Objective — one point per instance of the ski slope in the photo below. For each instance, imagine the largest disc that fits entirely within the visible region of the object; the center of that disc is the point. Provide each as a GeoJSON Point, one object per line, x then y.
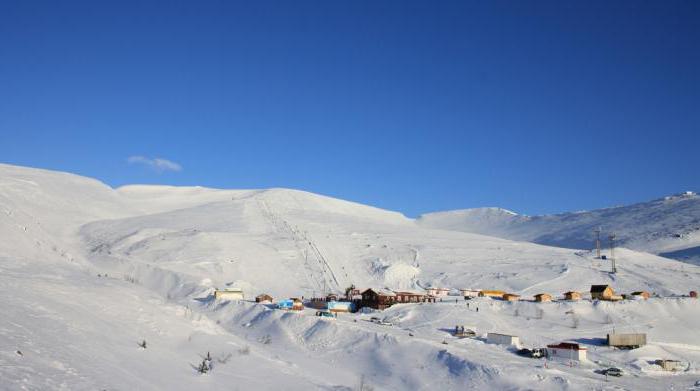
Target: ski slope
{"type": "Point", "coordinates": [89, 271]}
{"type": "Point", "coordinates": [669, 226]}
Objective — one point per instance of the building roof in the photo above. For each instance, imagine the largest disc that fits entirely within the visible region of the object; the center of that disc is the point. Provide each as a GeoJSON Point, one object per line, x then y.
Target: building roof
{"type": "Point", "coordinates": [572, 292]}
{"type": "Point", "coordinates": [411, 293]}
{"type": "Point", "coordinates": [380, 292]}
{"type": "Point", "coordinates": [511, 294]}
{"type": "Point", "coordinates": [640, 293]}
{"type": "Point", "coordinates": [599, 288]}
{"type": "Point", "coordinates": [567, 345]}
{"type": "Point", "coordinates": [543, 294]}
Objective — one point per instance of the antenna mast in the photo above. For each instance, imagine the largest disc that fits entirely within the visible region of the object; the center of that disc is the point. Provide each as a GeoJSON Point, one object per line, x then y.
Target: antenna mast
{"type": "Point", "coordinates": [597, 243]}
{"type": "Point", "coordinates": [612, 252]}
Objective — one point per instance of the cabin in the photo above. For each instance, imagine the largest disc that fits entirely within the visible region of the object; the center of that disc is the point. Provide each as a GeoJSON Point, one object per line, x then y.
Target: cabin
{"type": "Point", "coordinates": [670, 365]}
{"type": "Point", "coordinates": [229, 294]}
{"type": "Point", "coordinates": [292, 304]}
{"type": "Point", "coordinates": [318, 303]}
{"type": "Point", "coordinates": [297, 304]}
{"type": "Point", "coordinates": [469, 292]}
{"type": "Point", "coordinates": [263, 298]}
{"type": "Point", "coordinates": [641, 295]}
{"type": "Point", "coordinates": [438, 292]}
{"type": "Point", "coordinates": [378, 299]}
{"type": "Point", "coordinates": [491, 293]}
{"type": "Point", "coordinates": [511, 297]}
{"type": "Point", "coordinates": [341, 306]}
{"type": "Point", "coordinates": [693, 294]}
{"type": "Point", "coordinates": [543, 297]}
{"type": "Point", "coordinates": [413, 297]}
{"type": "Point", "coordinates": [604, 292]}
{"type": "Point", "coordinates": [572, 295]}
{"type": "Point", "coordinates": [568, 350]}
{"type": "Point", "coordinates": [627, 341]}
{"type": "Point", "coordinates": [502, 339]}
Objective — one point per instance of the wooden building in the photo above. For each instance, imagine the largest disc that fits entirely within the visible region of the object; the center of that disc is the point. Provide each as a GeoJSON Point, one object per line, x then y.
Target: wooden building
{"type": "Point", "coordinates": [413, 297]}
{"type": "Point", "coordinates": [568, 350]}
{"type": "Point", "coordinates": [572, 295]}
{"type": "Point", "coordinates": [378, 299]}
{"type": "Point", "coordinates": [511, 297]}
{"type": "Point", "coordinates": [641, 294]}
{"type": "Point", "coordinates": [604, 292]}
{"type": "Point", "coordinates": [542, 297]}
{"type": "Point", "coordinates": [263, 298]}
{"type": "Point", "coordinates": [491, 293]}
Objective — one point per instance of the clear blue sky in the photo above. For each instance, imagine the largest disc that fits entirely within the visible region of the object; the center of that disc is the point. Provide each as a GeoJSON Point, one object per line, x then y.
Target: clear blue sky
{"type": "Point", "coordinates": [535, 106]}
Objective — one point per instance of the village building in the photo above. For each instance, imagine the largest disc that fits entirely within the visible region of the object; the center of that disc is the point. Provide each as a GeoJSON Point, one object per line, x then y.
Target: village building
{"type": "Point", "coordinates": [641, 294]}
{"type": "Point", "coordinates": [627, 341]}
{"type": "Point", "coordinates": [469, 292]}
{"type": "Point", "coordinates": [568, 350]}
{"type": "Point", "coordinates": [263, 298]}
{"type": "Point", "coordinates": [229, 294]}
{"type": "Point", "coordinates": [341, 306]}
{"type": "Point", "coordinates": [378, 299]}
{"type": "Point", "coordinates": [511, 297]}
{"type": "Point", "coordinates": [670, 365]}
{"type": "Point", "coordinates": [412, 297]}
{"type": "Point", "coordinates": [438, 292]}
{"type": "Point", "coordinates": [542, 297]}
{"type": "Point", "coordinates": [502, 339]}
{"type": "Point", "coordinates": [604, 292]}
{"type": "Point", "coordinates": [292, 304]}
{"type": "Point", "coordinates": [491, 293]}
{"type": "Point", "coordinates": [572, 295]}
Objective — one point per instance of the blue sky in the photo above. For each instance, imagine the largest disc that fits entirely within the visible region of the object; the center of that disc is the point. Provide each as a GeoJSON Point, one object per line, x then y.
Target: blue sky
{"type": "Point", "coordinates": [535, 106]}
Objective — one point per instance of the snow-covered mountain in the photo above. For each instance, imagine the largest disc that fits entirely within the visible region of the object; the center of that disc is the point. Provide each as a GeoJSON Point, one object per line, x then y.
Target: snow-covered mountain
{"type": "Point", "coordinates": [89, 271]}
{"type": "Point", "coordinates": [669, 226]}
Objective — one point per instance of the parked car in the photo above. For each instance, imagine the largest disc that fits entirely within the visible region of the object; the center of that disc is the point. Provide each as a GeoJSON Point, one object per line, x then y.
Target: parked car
{"type": "Point", "coordinates": [617, 372]}
{"type": "Point", "coordinates": [326, 314]}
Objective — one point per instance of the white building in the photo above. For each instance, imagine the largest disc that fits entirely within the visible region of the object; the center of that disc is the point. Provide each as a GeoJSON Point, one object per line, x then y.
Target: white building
{"type": "Point", "coordinates": [438, 292]}
{"type": "Point", "coordinates": [502, 339]}
{"type": "Point", "coordinates": [567, 350]}
{"type": "Point", "coordinates": [229, 294]}
{"type": "Point", "coordinates": [469, 292]}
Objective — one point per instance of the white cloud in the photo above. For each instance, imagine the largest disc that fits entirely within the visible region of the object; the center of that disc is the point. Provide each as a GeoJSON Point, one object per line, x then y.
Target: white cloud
{"type": "Point", "coordinates": [156, 164]}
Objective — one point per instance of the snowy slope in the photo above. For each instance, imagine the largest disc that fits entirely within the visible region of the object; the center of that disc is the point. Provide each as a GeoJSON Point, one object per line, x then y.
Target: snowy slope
{"type": "Point", "coordinates": [669, 226]}
{"type": "Point", "coordinates": [92, 270]}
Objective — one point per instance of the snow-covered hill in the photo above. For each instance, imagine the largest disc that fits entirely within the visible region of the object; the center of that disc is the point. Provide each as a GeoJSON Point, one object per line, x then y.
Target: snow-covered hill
{"type": "Point", "coordinates": [89, 271]}
{"type": "Point", "coordinates": [669, 226]}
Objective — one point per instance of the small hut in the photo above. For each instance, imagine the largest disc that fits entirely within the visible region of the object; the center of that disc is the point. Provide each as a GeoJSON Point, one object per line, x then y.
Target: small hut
{"type": "Point", "coordinates": [542, 297]}
{"type": "Point", "coordinates": [511, 297]}
{"type": "Point", "coordinates": [670, 365]}
{"type": "Point", "coordinates": [641, 294]}
{"type": "Point", "coordinates": [604, 292]}
{"type": "Point", "coordinates": [263, 298]}
{"type": "Point", "coordinates": [572, 295]}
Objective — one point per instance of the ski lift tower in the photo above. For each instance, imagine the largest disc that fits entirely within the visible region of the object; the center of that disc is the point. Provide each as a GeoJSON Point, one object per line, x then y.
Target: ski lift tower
{"type": "Point", "coordinates": [597, 242]}
{"type": "Point", "coordinates": [612, 252]}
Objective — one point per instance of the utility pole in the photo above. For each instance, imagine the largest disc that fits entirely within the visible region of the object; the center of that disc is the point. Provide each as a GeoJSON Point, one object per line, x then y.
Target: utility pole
{"type": "Point", "coordinates": [597, 243]}
{"type": "Point", "coordinates": [612, 252]}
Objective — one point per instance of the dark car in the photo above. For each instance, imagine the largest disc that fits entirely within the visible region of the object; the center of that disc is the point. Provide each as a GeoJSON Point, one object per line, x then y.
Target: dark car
{"type": "Point", "coordinates": [617, 372]}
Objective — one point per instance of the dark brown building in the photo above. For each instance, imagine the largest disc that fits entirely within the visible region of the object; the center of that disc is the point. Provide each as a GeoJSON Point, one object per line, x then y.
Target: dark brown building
{"type": "Point", "coordinates": [378, 299]}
